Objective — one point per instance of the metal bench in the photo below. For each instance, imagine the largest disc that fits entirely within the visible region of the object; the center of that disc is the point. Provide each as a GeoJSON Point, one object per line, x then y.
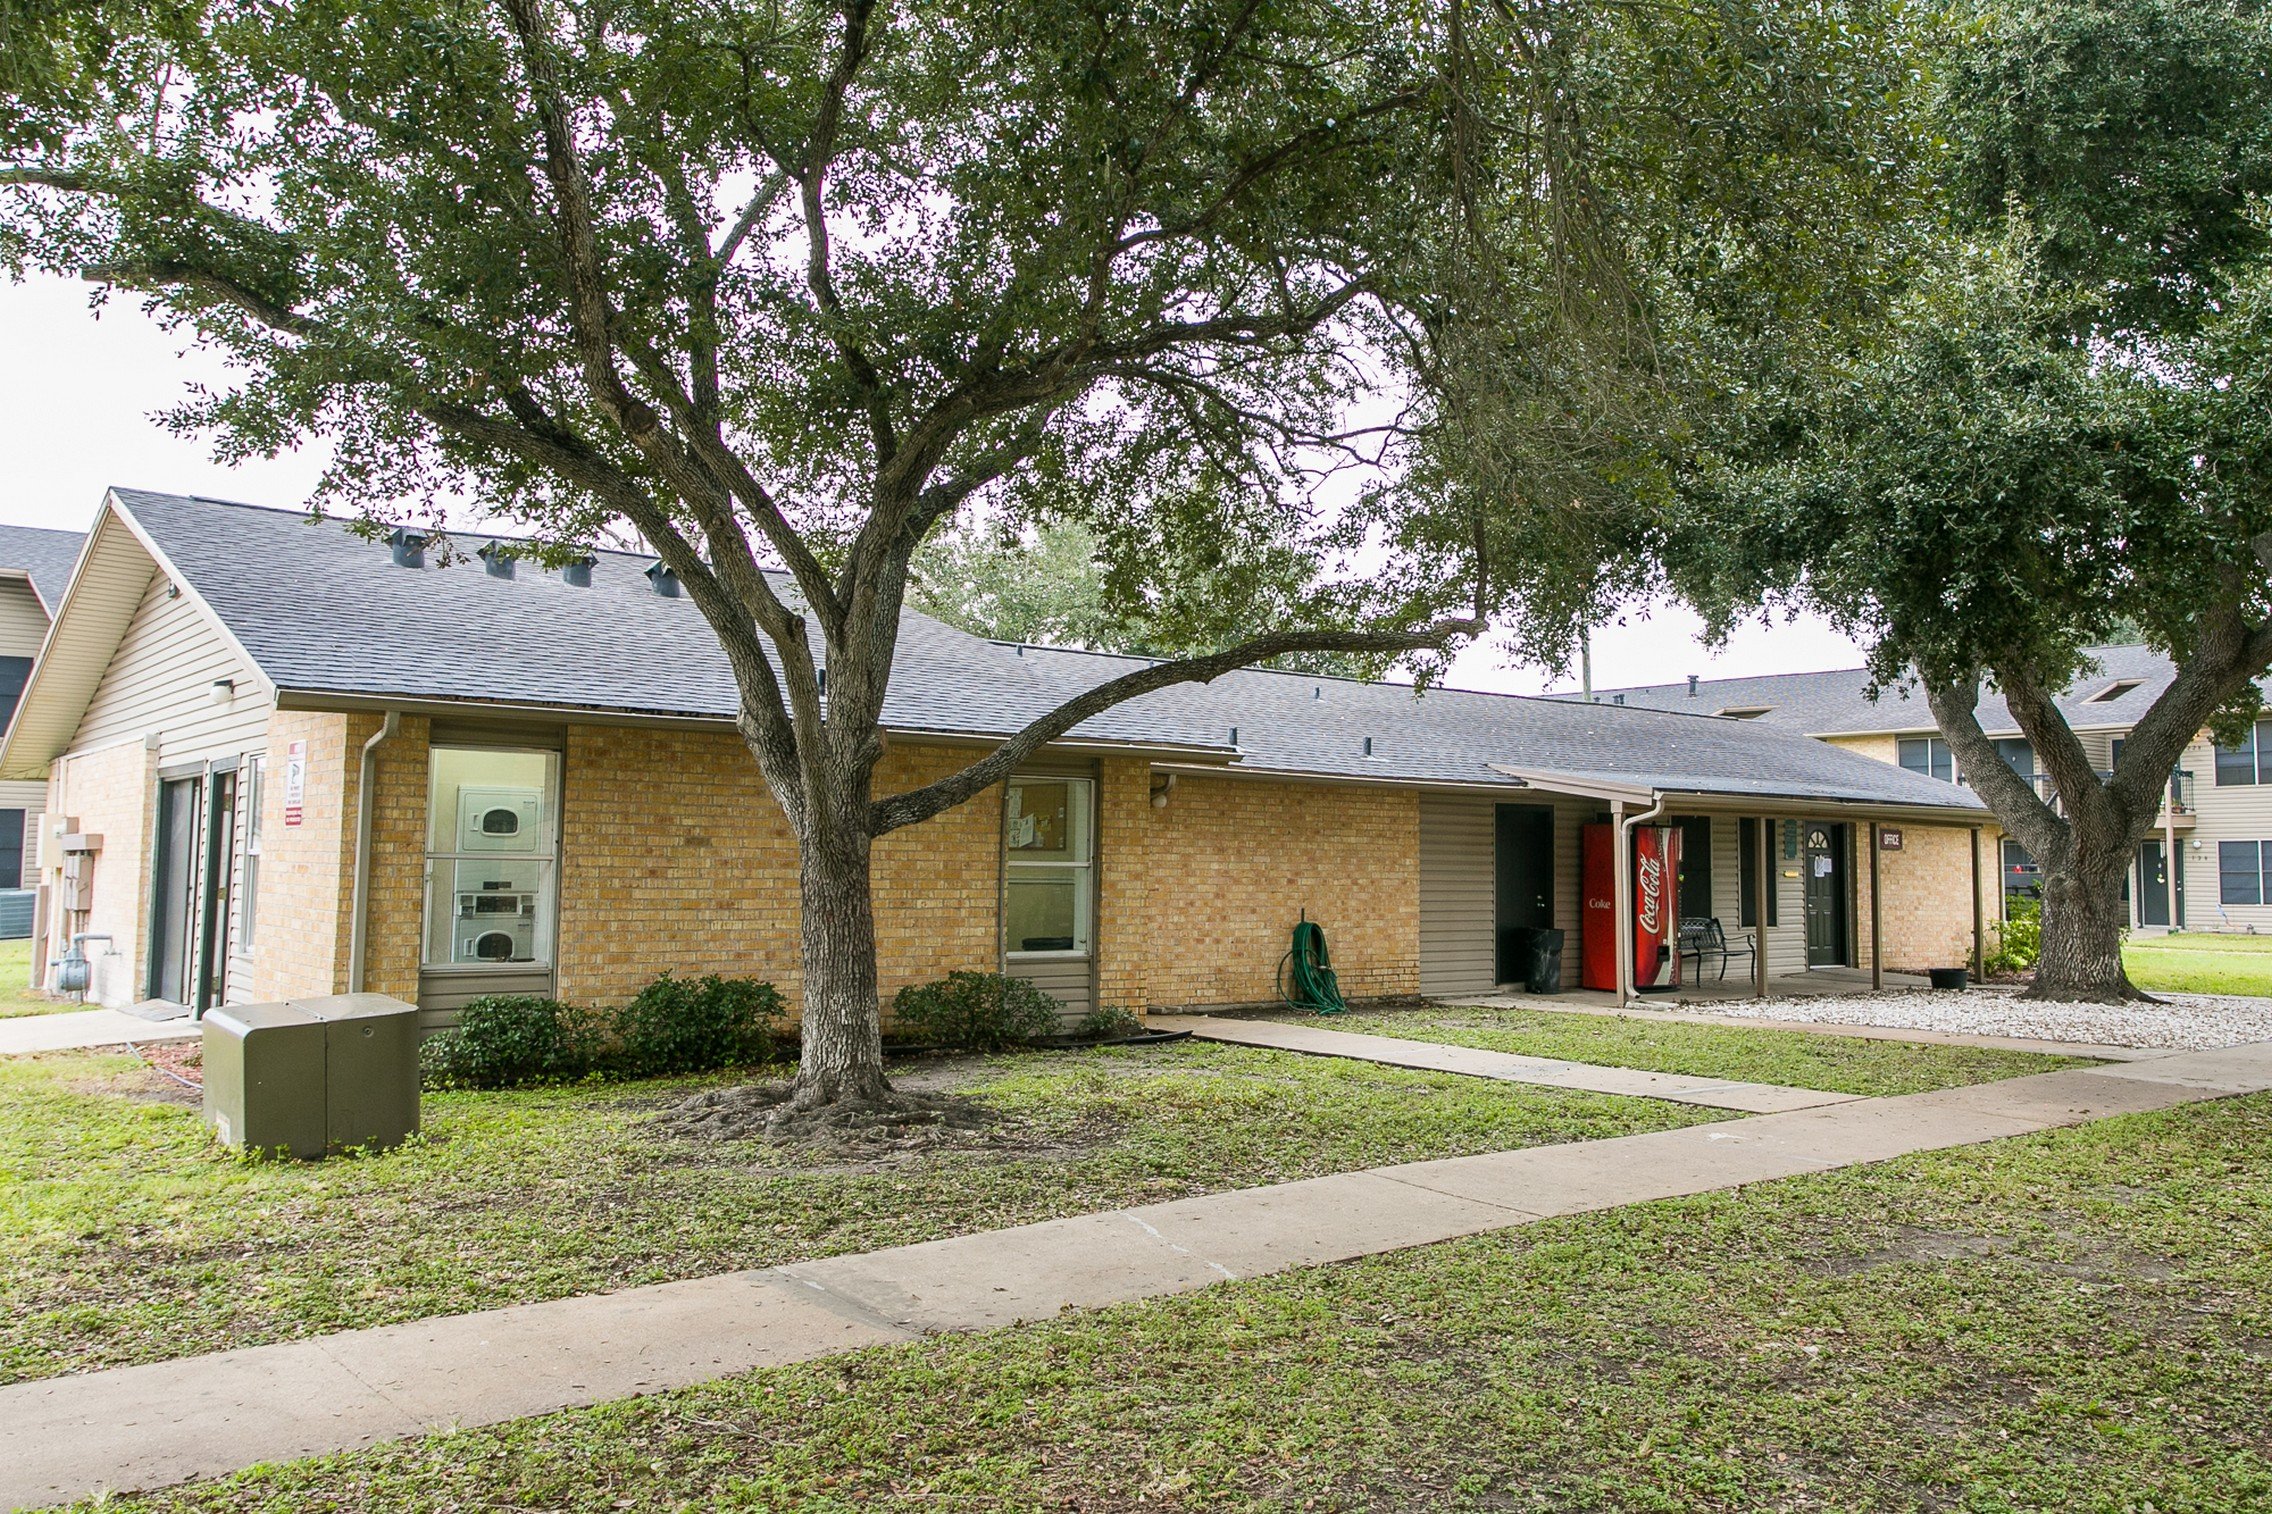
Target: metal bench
{"type": "Point", "coordinates": [1702, 937]}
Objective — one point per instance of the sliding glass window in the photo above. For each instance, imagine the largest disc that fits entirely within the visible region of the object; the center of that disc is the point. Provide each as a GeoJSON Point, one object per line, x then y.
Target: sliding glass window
{"type": "Point", "coordinates": [1048, 850]}
{"type": "Point", "coordinates": [492, 857]}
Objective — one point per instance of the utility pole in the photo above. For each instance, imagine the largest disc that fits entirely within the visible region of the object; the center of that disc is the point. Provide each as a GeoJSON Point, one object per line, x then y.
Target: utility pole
{"type": "Point", "coordinates": [1586, 663]}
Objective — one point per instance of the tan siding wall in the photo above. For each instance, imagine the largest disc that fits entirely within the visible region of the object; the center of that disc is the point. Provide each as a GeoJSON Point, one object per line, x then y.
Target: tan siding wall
{"type": "Point", "coordinates": [1458, 888]}
{"type": "Point", "coordinates": [2242, 812]}
{"type": "Point", "coordinates": [160, 681]}
{"type": "Point", "coordinates": [1233, 863]}
{"type": "Point", "coordinates": [23, 622]}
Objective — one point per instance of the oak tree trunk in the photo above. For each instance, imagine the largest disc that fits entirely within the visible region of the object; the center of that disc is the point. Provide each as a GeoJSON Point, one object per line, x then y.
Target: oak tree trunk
{"type": "Point", "coordinates": [842, 1060]}
{"type": "Point", "coordinates": [2081, 953]}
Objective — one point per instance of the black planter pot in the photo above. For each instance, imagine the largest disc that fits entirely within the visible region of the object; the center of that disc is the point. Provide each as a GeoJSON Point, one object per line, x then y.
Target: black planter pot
{"type": "Point", "coordinates": [1949, 977]}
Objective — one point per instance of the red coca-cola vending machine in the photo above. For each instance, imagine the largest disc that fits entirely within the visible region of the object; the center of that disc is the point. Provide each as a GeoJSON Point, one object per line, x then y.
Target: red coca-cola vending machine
{"type": "Point", "coordinates": [1656, 907]}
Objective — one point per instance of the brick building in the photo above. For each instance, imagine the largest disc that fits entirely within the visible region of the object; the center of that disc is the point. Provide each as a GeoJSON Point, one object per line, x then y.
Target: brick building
{"type": "Point", "coordinates": [290, 761]}
{"type": "Point", "coordinates": [2207, 866]}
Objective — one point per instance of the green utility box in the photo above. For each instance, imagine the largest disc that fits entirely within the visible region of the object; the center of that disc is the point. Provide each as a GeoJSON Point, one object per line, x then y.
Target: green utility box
{"type": "Point", "coordinates": [311, 1076]}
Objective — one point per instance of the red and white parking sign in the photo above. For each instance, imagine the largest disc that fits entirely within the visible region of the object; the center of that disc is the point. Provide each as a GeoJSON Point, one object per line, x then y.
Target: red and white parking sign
{"type": "Point", "coordinates": [295, 780]}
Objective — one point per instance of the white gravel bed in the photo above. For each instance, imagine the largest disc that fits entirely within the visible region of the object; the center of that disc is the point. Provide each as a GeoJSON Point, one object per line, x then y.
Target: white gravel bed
{"type": "Point", "coordinates": [2181, 1022]}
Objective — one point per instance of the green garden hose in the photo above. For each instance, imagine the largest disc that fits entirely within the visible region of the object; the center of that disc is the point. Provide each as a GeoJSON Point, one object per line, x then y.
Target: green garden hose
{"type": "Point", "coordinates": [1305, 973]}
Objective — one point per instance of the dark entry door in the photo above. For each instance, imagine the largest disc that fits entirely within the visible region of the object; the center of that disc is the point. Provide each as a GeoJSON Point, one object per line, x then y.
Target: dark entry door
{"type": "Point", "coordinates": [176, 890]}
{"type": "Point", "coordinates": [1826, 891]}
{"type": "Point", "coordinates": [1695, 867]}
{"type": "Point", "coordinates": [219, 886]}
{"type": "Point", "coordinates": [1524, 881]}
{"type": "Point", "coordinates": [2153, 890]}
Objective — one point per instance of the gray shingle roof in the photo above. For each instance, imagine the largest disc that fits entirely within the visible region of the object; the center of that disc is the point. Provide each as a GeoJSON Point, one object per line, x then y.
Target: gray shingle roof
{"type": "Point", "coordinates": [1836, 703]}
{"type": "Point", "coordinates": [324, 612]}
{"type": "Point", "coordinates": [48, 556]}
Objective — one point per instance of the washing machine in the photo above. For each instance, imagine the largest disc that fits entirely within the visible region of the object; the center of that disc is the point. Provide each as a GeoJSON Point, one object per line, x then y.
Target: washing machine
{"type": "Point", "coordinates": [495, 925]}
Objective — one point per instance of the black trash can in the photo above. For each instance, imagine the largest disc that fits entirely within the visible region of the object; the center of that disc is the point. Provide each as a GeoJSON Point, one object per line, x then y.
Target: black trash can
{"type": "Point", "coordinates": [1542, 967]}
{"type": "Point", "coordinates": [1514, 953]}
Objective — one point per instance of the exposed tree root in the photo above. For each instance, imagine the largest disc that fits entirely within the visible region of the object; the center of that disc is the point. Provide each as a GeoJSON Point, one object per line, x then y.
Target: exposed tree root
{"type": "Point", "coordinates": [856, 1127]}
{"type": "Point", "coordinates": [2052, 993]}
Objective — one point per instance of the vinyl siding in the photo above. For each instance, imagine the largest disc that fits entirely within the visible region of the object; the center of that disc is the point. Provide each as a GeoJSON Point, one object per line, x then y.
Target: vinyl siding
{"type": "Point", "coordinates": [1065, 979]}
{"type": "Point", "coordinates": [159, 683]}
{"type": "Point", "coordinates": [1457, 893]}
{"type": "Point", "coordinates": [442, 994]}
{"type": "Point", "coordinates": [23, 623]}
{"type": "Point", "coordinates": [1459, 887]}
{"type": "Point", "coordinates": [2242, 812]}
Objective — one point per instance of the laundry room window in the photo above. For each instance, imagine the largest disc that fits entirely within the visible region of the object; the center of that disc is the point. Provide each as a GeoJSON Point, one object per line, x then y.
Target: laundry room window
{"type": "Point", "coordinates": [1047, 836]}
{"type": "Point", "coordinates": [492, 855]}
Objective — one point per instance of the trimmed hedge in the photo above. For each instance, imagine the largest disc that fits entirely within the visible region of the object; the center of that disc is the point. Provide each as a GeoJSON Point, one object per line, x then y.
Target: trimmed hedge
{"type": "Point", "coordinates": [674, 1025]}
{"type": "Point", "coordinates": [506, 1040]}
{"type": "Point", "coordinates": [967, 1011]}
{"type": "Point", "coordinates": [695, 1025]}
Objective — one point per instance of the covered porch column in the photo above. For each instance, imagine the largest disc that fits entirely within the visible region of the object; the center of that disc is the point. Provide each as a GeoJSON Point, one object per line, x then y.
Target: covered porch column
{"type": "Point", "coordinates": [1760, 884]}
{"type": "Point", "coordinates": [1877, 914]}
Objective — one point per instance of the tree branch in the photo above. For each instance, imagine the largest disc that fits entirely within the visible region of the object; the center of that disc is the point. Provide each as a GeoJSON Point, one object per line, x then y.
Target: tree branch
{"type": "Point", "coordinates": [2011, 798]}
{"type": "Point", "coordinates": [915, 805]}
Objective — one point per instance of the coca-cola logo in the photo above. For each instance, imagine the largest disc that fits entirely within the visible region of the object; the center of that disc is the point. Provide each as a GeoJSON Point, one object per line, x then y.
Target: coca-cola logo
{"type": "Point", "coordinates": [1652, 876]}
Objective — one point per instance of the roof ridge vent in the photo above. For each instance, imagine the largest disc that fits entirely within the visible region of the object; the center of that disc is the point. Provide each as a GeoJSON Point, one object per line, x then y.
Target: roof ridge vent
{"type": "Point", "coordinates": [576, 572]}
{"type": "Point", "coordinates": [497, 558]}
{"type": "Point", "coordinates": [407, 547]}
{"type": "Point", "coordinates": [665, 581]}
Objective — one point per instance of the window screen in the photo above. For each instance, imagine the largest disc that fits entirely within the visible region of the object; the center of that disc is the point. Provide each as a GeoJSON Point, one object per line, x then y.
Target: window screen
{"type": "Point", "coordinates": [2240, 873]}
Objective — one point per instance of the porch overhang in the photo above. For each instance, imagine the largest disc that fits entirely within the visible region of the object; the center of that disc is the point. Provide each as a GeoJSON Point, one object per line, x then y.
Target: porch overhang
{"type": "Point", "coordinates": [1697, 801]}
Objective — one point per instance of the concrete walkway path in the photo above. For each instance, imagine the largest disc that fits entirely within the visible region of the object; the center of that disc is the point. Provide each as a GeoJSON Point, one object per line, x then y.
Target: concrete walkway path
{"type": "Point", "coordinates": [87, 1029]}
{"type": "Point", "coordinates": [1547, 1072]}
{"type": "Point", "coordinates": [145, 1427]}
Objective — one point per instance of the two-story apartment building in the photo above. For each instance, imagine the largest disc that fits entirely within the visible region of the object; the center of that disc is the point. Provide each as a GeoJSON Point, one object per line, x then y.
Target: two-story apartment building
{"type": "Point", "coordinates": [34, 567]}
{"type": "Point", "coordinates": [2208, 865]}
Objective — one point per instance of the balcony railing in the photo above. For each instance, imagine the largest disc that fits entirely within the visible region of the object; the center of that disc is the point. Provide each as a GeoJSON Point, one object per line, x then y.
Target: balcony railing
{"type": "Point", "coordinates": [2179, 801]}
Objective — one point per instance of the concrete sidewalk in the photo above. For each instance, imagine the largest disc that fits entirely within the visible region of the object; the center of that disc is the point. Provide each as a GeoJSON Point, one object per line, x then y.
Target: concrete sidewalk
{"type": "Point", "coordinates": [1546, 1072]}
{"type": "Point", "coordinates": [144, 1427]}
{"type": "Point", "coordinates": [88, 1029]}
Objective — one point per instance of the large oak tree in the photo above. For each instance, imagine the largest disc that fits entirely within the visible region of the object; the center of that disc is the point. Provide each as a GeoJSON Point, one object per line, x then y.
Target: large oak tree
{"type": "Point", "coordinates": [2057, 435]}
{"type": "Point", "coordinates": [786, 286]}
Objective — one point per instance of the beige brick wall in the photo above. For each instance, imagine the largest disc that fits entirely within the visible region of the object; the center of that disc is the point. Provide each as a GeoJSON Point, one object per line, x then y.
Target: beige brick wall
{"type": "Point", "coordinates": [304, 868]}
{"type": "Point", "coordinates": [1228, 866]}
{"type": "Point", "coordinates": [675, 855]}
{"type": "Point", "coordinates": [396, 930]}
{"type": "Point", "coordinates": [111, 792]}
{"type": "Point", "coordinates": [1927, 919]}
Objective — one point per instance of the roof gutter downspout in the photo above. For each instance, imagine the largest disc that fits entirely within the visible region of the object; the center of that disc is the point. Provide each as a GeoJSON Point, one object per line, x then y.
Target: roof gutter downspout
{"type": "Point", "coordinates": [359, 927]}
{"type": "Point", "coordinates": [1624, 895]}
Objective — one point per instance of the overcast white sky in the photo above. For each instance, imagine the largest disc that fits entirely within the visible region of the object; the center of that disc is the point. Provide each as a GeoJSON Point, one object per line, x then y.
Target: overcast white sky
{"type": "Point", "coordinates": [77, 396]}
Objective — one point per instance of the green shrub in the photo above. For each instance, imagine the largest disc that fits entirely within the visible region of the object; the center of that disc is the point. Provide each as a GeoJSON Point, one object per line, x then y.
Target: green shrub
{"type": "Point", "coordinates": [505, 1040]}
{"type": "Point", "coordinates": [1110, 1024]}
{"type": "Point", "coordinates": [975, 1012]}
{"type": "Point", "coordinates": [696, 1025]}
{"type": "Point", "coordinates": [2019, 939]}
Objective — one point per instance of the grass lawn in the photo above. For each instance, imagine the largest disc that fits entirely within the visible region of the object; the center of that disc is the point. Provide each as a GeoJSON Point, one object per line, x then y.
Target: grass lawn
{"type": "Point", "coordinates": [126, 1236]}
{"type": "Point", "coordinates": [2192, 963]}
{"type": "Point", "coordinates": [16, 998]}
{"type": "Point", "coordinates": [1835, 1064]}
{"type": "Point", "coordinates": [2080, 1320]}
